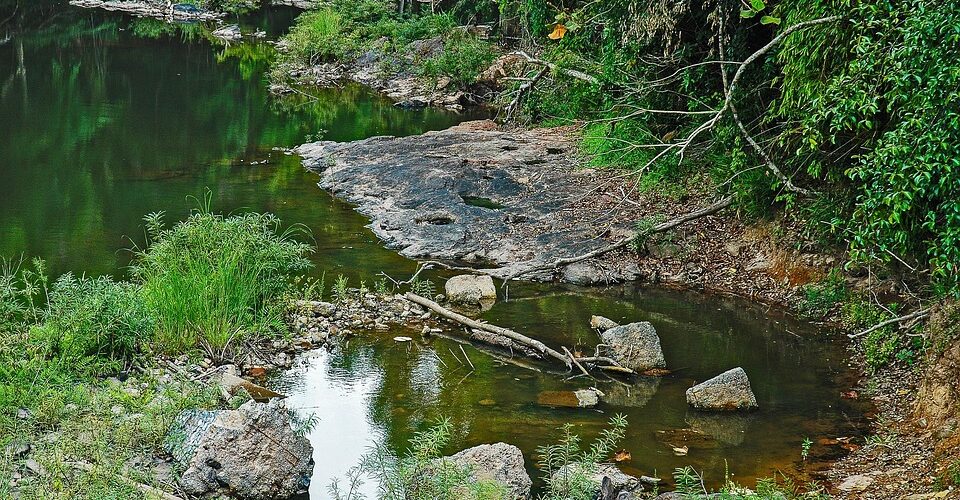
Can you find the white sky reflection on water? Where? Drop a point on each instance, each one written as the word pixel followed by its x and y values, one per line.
pixel 343 432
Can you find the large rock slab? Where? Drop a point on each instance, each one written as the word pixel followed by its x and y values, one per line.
pixel 471 193
pixel 252 452
pixel 635 346
pixel 470 290
pixel 499 462
pixel 728 391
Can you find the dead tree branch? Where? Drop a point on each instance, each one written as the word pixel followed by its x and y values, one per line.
pixel 912 316
pixel 478 325
pixel 579 75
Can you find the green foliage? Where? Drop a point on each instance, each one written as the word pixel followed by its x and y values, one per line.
pixel 423 288
pixel 212 280
pixel 462 59
pixel 319 36
pixel 805 448
pixel 822 299
pixel 420 474
pixel 341 290
pixel 20 286
pixel 884 123
pixel 577 465
pixel 94 320
pixel 345 29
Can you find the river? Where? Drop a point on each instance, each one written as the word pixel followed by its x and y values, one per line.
pixel 105 118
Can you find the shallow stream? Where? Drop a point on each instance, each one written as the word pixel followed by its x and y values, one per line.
pixel 104 119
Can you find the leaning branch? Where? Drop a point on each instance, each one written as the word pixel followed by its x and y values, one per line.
pixel 916 315
pixel 626 240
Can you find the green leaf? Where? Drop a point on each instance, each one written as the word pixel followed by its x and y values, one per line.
pixel 758 5
pixel 770 20
pixel 747 14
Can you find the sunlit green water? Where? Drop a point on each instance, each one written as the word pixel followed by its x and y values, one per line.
pixel 104 119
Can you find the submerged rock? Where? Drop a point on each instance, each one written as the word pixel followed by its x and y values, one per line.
pixel 728 391
pixel 581 398
pixel 470 290
pixel 499 462
pixel 228 33
pixel 253 452
pixel 635 346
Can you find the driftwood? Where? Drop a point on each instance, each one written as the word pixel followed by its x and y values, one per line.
pixel 568 359
pixel 536 345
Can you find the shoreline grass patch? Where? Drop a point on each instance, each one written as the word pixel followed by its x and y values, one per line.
pixel 213 280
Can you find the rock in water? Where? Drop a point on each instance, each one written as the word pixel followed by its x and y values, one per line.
pixel 635 346
pixel 602 324
pixel 499 462
pixel 581 398
pixel 618 481
pixel 470 290
pixel 728 391
pixel 253 452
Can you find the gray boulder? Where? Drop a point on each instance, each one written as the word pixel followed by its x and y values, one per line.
pixel 635 346
pixel 728 391
pixel 252 452
pixel 499 462
pixel 618 481
pixel 470 290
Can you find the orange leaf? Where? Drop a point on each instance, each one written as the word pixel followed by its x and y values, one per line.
pixel 558 31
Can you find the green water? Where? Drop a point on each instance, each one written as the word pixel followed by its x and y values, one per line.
pixel 104 119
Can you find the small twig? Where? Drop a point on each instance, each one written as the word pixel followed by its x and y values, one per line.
pixel 467 358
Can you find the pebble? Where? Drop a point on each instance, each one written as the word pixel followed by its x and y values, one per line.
pixel 856 483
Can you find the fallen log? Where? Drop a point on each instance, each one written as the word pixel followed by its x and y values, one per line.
pixel 534 344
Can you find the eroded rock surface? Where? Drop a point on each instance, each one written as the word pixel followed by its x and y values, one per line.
pixel 728 391
pixel 471 193
pixel 635 346
pixel 252 452
pixel 470 290
pixel 499 462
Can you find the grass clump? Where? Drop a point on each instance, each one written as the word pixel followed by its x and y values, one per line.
pixel 212 280
pixel 318 36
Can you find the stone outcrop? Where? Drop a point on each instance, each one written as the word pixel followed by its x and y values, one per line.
pixel 471 193
pixel 471 290
pixel 252 452
pixel 728 391
pixel 500 462
pixel 634 345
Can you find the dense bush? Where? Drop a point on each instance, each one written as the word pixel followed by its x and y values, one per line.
pixel 462 59
pixel 345 29
pixel 212 279
pixel 95 319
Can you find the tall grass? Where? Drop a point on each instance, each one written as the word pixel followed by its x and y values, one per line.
pixel 319 36
pixel 212 280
